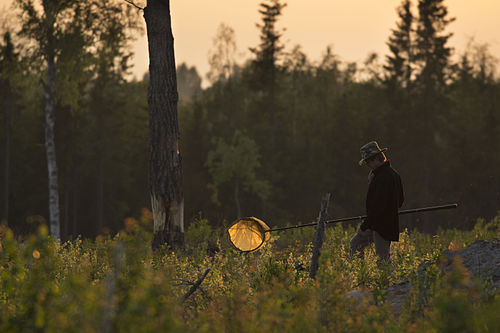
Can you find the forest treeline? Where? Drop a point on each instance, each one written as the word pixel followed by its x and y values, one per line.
pixel 267 137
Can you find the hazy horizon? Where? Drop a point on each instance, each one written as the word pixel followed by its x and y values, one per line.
pixel 354 29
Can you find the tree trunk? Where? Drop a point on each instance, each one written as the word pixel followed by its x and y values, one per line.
pixel 6 191
pixel 100 193
pixel 165 170
pixel 65 223
pixel 74 229
pixel 237 199
pixel 69 188
pixel 50 145
pixel 272 107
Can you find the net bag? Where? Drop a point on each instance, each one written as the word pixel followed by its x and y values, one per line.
pixel 248 234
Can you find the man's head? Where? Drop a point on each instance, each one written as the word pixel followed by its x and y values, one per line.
pixel 375 161
pixel 372 155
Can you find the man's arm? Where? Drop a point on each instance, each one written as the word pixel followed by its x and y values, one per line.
pixel 364 225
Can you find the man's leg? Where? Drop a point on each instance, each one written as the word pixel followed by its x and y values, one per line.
pixel 382 246
pixel 361 240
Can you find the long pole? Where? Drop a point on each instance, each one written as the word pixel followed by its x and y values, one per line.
pixel 357 218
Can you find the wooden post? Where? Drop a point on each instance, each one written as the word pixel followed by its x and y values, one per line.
pixel 320 231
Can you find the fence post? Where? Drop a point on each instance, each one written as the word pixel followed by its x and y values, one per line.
pixel 318 239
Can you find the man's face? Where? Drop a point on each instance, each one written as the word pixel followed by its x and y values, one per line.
pixel 372 163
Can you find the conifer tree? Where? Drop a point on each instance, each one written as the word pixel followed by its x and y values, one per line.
pixel 270 47
pixel 398 76
pixel 433 66
pixel 267 54
pixel 399 67
pixel 432 55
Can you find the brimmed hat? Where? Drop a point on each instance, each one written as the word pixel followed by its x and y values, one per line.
pixel 369 150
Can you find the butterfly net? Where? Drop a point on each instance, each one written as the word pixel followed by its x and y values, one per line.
pixel 248 234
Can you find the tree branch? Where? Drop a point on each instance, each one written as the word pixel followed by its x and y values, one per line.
pixel 133 4
pixel 195 285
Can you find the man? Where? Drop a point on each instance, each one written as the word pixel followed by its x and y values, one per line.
pixel 383 200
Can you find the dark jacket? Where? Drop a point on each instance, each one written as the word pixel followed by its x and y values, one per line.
pixel 384 198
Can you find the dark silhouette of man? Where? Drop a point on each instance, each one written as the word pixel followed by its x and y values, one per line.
pixel 384 198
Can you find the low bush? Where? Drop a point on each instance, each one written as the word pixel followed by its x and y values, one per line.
pixel 117 284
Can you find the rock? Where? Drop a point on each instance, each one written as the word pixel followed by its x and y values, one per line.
pixel 481 258
pixel 358 296
pixel 396 294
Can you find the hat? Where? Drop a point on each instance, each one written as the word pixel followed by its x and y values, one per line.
pixel 369 150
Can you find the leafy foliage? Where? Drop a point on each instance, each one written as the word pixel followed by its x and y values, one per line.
pixel 116 283
pixel 236 163
pixel 444 144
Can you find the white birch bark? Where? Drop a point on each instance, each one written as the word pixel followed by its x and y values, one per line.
pixel 50 146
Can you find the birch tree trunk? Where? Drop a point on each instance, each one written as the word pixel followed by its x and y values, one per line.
pixel 165 170
pixel 50 146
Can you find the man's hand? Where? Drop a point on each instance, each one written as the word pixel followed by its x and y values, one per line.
pixel 365 233
pixel 364 229
pixel 364 226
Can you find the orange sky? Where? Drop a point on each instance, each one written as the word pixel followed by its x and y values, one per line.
pixel 353 27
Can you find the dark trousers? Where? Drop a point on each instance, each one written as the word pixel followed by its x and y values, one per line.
pixel 364 238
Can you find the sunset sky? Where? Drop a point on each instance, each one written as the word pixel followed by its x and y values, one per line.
pixel 353 27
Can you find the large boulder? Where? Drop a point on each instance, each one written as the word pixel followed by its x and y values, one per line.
pixel 481 258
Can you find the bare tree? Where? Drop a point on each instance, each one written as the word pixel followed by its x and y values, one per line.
pixel 165 170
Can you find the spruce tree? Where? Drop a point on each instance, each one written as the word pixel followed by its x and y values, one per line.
pixel 433 65
pixel 400 44
pixel 398 76
pixel 270 47
pixel 432 54
pixel 265 68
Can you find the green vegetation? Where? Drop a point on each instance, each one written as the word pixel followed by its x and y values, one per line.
pixel 267 137
pixel 116 283
pixel 301 120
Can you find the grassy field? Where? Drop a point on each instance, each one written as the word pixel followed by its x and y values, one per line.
pixel 116 284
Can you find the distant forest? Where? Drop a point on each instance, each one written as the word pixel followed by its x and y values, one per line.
pixel 267 137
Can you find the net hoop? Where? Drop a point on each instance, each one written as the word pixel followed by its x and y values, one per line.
pixel 250 230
